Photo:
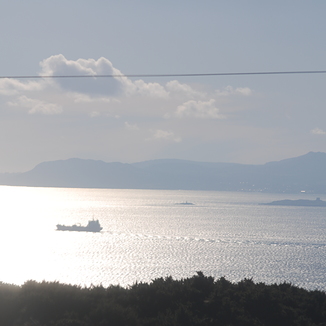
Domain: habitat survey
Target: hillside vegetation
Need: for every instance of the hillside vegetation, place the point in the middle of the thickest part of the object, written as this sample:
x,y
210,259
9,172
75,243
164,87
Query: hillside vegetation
x,y
199,300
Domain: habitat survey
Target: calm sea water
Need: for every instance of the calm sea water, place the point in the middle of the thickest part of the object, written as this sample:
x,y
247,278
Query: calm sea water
x,y
146,235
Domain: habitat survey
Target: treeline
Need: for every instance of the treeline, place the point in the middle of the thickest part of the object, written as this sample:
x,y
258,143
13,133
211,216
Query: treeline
x,y
199,300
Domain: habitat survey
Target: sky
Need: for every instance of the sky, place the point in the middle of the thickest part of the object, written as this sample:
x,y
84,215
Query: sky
x,y
250,119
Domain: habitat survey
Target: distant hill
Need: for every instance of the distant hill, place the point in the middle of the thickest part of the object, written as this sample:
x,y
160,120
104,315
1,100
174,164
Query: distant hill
x,y
307,172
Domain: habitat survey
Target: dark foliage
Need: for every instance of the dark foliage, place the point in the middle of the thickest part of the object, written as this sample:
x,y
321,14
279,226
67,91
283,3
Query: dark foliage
x,y
199,300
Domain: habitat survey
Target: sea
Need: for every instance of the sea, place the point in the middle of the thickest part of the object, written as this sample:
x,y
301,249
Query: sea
x,y
147,234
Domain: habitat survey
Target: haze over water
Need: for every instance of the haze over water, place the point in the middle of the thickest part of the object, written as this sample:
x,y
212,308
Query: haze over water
x,y
146,235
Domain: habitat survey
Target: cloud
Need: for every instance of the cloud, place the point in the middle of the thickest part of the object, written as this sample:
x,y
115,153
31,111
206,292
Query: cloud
x,y
246,91
58,65
36,106
166,135
131,126
318,131
199,109
114,96
176,87
14,86
149,89
94,114
84,98
229,90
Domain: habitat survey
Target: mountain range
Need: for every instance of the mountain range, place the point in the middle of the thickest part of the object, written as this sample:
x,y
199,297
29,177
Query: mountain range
x,y
304,173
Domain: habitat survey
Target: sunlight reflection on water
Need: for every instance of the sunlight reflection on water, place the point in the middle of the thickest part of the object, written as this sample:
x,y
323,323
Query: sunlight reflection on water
x,y
145,235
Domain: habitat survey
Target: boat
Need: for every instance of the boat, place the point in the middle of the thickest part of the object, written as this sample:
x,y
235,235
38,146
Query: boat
x,y
92,226
299,202
185,203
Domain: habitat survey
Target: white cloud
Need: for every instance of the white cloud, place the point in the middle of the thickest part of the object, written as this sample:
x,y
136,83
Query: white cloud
x,y
199,109
58,65
94,114
36,106
116,96
150,89
229,90
14,86
84,98
246,91
130,126
174,86
318,131
166,135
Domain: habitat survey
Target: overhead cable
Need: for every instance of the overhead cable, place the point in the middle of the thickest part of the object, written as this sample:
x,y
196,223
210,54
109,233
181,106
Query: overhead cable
x,y
170,75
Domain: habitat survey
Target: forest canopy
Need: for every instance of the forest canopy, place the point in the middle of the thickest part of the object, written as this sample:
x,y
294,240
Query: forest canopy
x,y
198,300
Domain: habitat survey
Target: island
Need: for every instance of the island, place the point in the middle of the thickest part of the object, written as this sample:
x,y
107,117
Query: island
x,y
299,202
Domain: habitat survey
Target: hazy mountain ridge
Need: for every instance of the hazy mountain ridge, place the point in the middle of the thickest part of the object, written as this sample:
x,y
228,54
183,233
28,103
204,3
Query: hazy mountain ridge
x,y
306,172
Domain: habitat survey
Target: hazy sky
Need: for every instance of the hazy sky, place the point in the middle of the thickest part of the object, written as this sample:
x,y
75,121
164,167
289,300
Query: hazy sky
x,y
243,119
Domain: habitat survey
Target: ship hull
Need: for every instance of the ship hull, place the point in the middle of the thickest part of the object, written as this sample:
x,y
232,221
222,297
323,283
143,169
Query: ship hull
x,y
76,228
93,226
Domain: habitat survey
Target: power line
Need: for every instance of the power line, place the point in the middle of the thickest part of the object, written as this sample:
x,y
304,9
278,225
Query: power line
x,y
170,75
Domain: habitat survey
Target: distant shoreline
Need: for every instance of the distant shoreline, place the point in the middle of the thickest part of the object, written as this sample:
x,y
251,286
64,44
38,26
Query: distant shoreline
x,y
290,176
299,202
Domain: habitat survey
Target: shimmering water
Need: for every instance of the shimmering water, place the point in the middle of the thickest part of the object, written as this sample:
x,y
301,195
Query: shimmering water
x,y
146,235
